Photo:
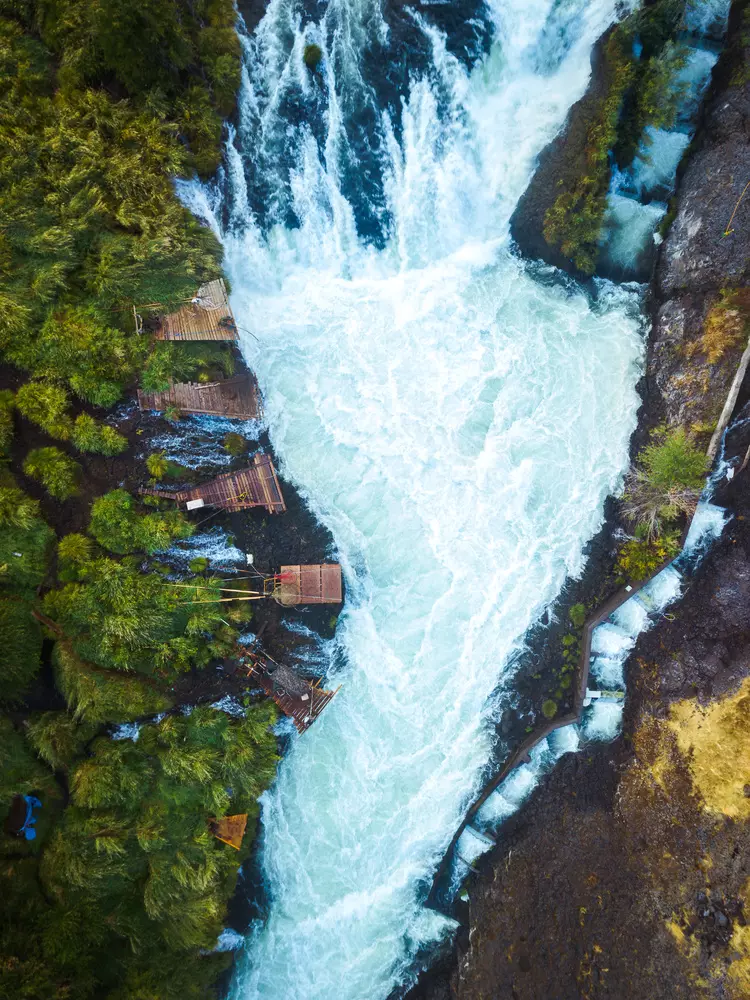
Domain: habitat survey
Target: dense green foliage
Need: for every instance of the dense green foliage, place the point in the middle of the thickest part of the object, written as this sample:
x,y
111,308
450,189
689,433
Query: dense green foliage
x,y
102,105
25,541
665,483
130,883
20,649
56,471
635,94
118,526
90,222
88,435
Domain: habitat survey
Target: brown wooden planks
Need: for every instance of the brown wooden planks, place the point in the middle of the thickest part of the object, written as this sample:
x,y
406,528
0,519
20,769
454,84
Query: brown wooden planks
x,y
302,710
230,829
314,584
256,486
236,397
209,317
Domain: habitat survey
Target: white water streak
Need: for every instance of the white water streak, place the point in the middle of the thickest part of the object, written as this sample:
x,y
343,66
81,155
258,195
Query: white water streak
x,y
457,426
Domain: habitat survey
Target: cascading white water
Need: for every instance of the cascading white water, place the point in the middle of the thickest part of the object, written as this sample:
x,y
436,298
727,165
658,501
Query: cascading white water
x,y
455,422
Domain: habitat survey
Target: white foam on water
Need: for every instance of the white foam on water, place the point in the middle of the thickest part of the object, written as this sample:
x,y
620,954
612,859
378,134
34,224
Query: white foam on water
x,y
213,545
706,526
456,425
602,721
629,227
656,164
127,731
708,17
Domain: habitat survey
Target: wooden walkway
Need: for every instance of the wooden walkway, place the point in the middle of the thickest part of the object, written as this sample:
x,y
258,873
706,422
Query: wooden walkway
x,y
257,486
316,584
208,316
521,754
303,706
237,398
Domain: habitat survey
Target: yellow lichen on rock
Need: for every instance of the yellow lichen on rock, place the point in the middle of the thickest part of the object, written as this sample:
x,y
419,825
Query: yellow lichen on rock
x,y
716,741
737,984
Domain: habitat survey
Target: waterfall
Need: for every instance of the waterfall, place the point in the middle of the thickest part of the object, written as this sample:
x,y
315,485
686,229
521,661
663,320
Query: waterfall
x,y
455,419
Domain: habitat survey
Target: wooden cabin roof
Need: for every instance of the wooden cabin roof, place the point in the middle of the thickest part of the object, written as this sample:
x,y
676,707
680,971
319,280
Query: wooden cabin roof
x,y
230,829
316,584
236,397
257,486
207,317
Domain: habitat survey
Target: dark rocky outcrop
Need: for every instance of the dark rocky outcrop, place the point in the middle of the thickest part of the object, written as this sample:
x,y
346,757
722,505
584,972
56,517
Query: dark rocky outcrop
x,y
560,165
702,268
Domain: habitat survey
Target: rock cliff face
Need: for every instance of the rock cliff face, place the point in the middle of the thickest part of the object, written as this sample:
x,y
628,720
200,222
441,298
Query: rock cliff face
x,y
700,302
627,874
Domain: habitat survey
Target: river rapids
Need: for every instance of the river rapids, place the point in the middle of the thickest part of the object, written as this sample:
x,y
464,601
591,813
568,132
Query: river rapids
x,y
452,414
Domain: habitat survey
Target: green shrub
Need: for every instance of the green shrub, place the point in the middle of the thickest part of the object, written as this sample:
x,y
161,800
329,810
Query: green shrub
x,y
549,709
21,771
117,526
666,483
7,401
20,649
57,472
157,464
58,738
183,362
75,548
162,467
74,553
577,615
312,56
17,509
640,558
99,696
25,541
88,435
46,406
235,444
95,358
120,618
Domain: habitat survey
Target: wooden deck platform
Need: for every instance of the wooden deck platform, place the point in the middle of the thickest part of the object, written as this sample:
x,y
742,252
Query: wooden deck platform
x,y
257,486
303,704
208,316
237,398
317,584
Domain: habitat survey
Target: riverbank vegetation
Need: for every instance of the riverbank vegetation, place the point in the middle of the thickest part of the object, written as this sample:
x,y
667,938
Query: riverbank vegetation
x,y
122,892
661,493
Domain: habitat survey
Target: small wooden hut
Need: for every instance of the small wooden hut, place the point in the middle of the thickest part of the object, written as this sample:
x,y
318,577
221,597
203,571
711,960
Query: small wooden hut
x,y
299,698
229,829
257,486
315,584
237,398
207,316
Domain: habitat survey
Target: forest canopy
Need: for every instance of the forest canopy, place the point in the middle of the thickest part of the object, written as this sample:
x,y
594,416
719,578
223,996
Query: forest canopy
x,y
102,106
122,890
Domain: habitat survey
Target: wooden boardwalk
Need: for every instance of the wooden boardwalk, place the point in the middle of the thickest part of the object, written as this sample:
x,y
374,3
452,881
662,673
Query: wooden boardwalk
x,y
208,316
521,753
237,398
316,584
257,486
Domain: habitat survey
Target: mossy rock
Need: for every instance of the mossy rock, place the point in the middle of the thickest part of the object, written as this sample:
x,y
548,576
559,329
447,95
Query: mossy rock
x,y
235,444
312,56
